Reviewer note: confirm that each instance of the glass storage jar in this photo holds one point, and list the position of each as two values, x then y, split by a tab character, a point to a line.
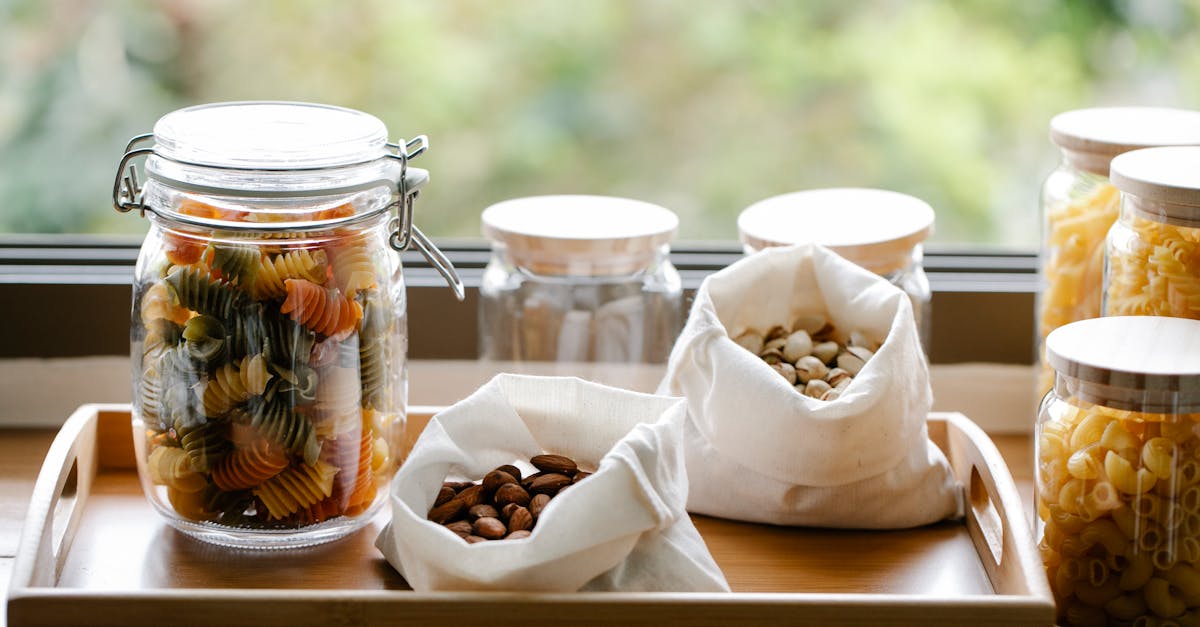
1079	204
1118	471
579	279
268	327
877	229
1153	259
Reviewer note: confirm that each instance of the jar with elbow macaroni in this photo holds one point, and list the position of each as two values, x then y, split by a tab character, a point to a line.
1118	471
879	230
268	327
1154	248
1080	204
577	278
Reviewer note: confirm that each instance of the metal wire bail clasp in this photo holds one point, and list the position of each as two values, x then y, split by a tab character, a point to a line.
405	232
127	189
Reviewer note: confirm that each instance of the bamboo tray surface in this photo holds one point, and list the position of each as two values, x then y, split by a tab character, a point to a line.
93	551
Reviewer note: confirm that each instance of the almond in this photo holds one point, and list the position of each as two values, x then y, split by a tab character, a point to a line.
538	503
520	520
444	494
461	527
549	483
554	463
507	510
471	496
511	493
490	528
580	476
483	510
517	535
495	479
473	539
449	511
511	470
457	486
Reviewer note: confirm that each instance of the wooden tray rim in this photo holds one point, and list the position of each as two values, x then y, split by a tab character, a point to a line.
1033	606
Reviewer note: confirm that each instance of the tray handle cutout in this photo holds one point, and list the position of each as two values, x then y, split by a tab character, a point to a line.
991	523
63	515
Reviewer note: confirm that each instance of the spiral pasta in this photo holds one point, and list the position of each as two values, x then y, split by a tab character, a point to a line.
249	465
1155	272
325	311
257	384
296	488
300	263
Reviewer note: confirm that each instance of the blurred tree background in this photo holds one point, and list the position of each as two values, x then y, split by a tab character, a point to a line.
701	107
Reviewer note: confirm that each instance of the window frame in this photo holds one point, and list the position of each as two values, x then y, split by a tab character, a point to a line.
69	295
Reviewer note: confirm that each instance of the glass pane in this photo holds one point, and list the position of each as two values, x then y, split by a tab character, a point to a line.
700	107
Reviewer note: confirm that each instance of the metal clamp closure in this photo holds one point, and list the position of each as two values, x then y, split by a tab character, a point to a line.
127	189
404	232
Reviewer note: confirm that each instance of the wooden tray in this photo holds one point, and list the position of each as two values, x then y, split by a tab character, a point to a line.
94	552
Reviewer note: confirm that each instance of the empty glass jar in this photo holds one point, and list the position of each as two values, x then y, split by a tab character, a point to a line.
1154	248
1080	205
268	329
1118	471
579	279
879	230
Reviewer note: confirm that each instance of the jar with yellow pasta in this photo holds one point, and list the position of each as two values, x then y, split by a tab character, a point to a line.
268	326
1154	248
1080	204
1118	471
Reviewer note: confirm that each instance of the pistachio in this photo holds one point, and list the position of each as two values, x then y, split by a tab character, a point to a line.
773	356
776	344
816	388
825	351
751	341
787	370
831	395
843	384
798	345
809	324
836	376
853	359
809	368
775	332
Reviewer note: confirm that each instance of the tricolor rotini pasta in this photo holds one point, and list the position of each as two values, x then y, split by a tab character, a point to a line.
261	406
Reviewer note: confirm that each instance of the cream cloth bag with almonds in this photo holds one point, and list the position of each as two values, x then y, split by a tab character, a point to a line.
758	450
622	528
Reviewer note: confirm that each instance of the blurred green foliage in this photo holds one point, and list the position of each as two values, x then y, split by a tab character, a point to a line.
703	107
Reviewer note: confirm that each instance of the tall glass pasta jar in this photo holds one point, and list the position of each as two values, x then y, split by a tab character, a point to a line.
1154	248
880	230
268	329
1118	471
579	279
1080	204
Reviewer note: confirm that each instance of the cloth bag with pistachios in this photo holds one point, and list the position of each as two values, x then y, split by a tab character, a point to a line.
624	527
758	447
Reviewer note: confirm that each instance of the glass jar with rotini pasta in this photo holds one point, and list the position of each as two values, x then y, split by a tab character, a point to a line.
880	230
1153	258
1118	471
1079	205
268	327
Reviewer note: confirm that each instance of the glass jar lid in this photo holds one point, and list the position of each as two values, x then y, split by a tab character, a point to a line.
876	229
1165	182
580	235
1137	363
1091	138
270	149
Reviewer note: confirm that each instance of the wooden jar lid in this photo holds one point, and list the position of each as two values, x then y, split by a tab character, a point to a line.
1138	363
1165	180
876	229
1091	138
580	235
